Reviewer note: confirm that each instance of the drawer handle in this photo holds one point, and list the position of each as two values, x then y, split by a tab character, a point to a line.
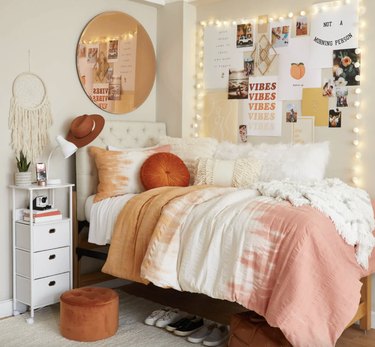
52	256
52	283
52	231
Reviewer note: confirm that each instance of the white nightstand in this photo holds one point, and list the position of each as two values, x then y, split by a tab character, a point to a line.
42	252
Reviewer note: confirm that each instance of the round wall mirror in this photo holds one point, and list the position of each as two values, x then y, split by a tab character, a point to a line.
116	62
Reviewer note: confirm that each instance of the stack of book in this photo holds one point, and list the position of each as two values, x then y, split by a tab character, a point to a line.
42	216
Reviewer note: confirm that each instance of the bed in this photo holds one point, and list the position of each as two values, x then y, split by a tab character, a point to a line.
289	316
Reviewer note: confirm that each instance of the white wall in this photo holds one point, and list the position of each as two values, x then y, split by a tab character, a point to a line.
50	29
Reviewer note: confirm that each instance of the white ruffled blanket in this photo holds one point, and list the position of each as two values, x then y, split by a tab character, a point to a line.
349	208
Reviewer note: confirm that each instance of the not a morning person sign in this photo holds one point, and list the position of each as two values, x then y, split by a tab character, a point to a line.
332	27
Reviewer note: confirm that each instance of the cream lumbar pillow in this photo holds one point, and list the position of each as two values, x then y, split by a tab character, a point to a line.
227	173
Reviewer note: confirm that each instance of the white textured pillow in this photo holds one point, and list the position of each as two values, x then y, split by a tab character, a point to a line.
227	173
297	162
190	149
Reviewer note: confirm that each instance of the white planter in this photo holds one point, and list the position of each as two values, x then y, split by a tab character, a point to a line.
23	178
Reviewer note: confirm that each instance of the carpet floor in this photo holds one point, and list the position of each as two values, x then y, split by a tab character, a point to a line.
132	332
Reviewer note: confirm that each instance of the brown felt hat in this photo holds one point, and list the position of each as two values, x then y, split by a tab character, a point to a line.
85	129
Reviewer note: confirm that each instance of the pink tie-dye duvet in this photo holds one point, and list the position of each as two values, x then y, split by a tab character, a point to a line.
286	263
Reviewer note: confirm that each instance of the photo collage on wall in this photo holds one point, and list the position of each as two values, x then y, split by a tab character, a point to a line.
307	66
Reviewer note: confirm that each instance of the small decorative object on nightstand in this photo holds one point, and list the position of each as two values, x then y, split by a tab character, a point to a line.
42	246
23	176
68	149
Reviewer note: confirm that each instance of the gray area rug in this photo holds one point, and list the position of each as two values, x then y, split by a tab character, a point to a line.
132	331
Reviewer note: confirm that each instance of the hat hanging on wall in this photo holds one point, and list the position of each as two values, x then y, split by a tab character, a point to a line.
84	129
29	115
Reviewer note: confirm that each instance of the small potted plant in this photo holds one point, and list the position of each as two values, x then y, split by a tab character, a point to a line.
23	176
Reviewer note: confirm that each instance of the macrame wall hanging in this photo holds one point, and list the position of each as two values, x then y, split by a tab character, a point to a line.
29	116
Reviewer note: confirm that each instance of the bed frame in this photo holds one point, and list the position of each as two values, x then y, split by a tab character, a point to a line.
125	134
116	133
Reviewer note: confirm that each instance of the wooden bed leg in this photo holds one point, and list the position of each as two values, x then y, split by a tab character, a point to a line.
76	265
365	321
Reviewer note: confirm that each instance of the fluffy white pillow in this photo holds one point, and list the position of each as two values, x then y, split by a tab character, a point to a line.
190	149
297	162
227	173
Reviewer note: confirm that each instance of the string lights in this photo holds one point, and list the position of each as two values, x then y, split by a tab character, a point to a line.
126	36
314	9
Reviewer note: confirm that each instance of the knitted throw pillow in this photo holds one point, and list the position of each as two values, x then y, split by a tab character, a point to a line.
227	173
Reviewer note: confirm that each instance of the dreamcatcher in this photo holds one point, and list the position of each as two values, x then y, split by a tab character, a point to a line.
29	115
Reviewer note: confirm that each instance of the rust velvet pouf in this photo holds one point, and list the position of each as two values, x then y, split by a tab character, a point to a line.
89	314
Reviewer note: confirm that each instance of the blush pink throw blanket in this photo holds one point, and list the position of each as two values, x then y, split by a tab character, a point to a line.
287	263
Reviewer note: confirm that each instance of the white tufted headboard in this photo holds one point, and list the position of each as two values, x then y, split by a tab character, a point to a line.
115	133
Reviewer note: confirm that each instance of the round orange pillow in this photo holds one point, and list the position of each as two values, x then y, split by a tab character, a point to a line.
164	169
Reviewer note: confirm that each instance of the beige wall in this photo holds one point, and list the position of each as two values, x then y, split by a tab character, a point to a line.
176	69
50	29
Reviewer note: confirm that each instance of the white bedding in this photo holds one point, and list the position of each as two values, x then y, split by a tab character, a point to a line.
102	217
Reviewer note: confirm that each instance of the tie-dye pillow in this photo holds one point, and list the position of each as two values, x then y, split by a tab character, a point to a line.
118	171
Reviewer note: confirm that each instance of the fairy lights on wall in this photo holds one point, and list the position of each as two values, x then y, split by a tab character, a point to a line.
105	39
197	128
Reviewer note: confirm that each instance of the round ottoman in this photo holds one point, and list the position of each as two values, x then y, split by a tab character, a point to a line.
89	314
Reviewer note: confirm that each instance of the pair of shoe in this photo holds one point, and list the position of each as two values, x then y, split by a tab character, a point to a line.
211	335
185	326
162	317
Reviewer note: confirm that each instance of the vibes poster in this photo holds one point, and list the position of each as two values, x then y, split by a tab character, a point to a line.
262	114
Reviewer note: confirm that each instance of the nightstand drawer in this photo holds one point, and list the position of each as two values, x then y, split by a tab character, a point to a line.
46	263
45	291
46	236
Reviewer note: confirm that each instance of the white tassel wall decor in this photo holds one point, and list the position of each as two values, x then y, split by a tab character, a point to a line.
29	116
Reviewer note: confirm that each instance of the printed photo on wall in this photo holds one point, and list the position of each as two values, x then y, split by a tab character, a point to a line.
238	84
243	132
291	114
346	67
280	36
248	63
245	37
82	51
342	95
329	87
102	68
92	55
113	50
301	25
334	119
303	131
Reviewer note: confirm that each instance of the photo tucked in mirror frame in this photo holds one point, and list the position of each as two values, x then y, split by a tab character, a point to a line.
116	62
